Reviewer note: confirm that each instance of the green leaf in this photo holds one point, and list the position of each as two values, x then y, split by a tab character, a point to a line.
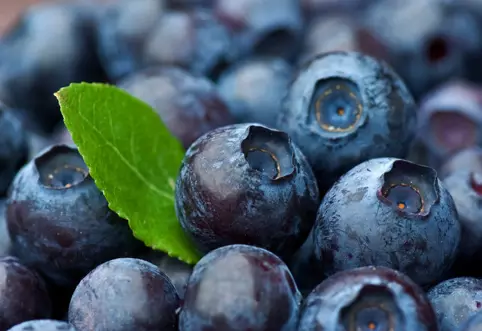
133	159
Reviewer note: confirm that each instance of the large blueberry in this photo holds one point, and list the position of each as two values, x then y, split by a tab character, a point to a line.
344	108
60	222
246	184
388	212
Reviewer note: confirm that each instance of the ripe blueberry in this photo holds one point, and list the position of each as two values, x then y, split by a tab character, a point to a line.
388	212
238	288
246	184
368	298
345	108
59	222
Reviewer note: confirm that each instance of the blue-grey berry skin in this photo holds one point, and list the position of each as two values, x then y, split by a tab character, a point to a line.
189	105
367	298
469	159
388	212
246	184
267	27
125	294
456	300
23	294
50	46
427	42
474	323
13	147
177	271
59	221
134	35
465	187
255	88
449	120
239	288
344	108
43	325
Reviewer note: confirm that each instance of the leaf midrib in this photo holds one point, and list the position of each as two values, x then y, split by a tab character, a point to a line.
127	163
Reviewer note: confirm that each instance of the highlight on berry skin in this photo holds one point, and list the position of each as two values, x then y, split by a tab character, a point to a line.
61	167
410	188
336	105
269	152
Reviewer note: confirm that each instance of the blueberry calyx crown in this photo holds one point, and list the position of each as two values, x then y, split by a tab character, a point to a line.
373	309
336	105
268	152
409	188
61	167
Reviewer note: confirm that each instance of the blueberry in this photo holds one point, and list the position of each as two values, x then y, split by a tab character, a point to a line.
455	300
388	212
5	244
189	105
238	288
425	41
344	108
465	187
255	88
263	27
246	184
327	33
469	159
190	4
13	147
177	271
368	298
449	119
62	136
23	294
51	46
474	323
58	220
317	7
125	294
194	40
43	325
122	30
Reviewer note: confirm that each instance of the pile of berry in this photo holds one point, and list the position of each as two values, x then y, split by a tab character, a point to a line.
332	179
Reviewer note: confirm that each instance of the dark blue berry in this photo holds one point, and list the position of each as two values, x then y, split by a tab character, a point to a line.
263	27
345	108
367	299
254	89
427	42
23	294
177	271
13	147
189	105
239	288
388	212
59	221
134	35
246	184
51	46
124	295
